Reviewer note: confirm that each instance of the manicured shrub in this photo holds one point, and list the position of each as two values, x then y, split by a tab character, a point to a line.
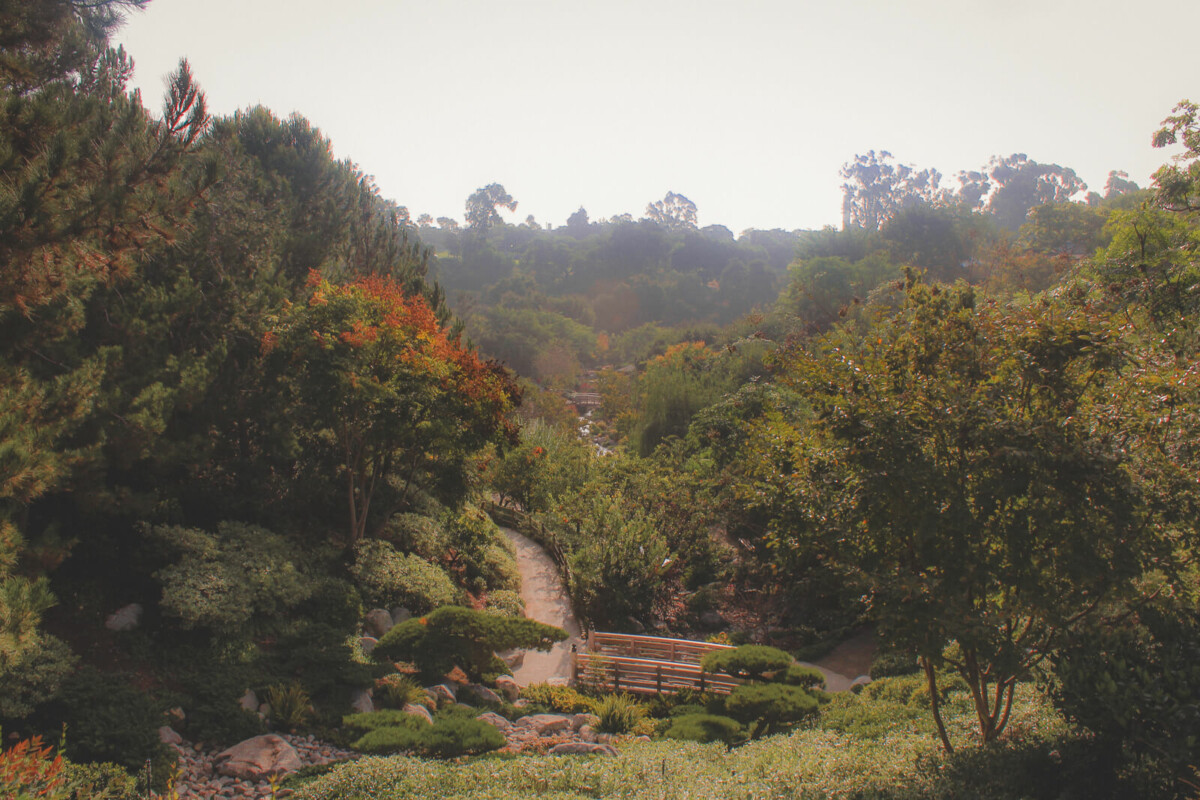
506	603
388	578
700	727
416	533
392	738
563	699
618	713
460	637
449	736
804	677
454	736
498	569
750	661
771	707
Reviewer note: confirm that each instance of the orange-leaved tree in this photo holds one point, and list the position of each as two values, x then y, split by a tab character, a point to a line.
378	378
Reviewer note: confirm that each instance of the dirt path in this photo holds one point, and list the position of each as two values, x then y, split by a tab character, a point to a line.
847	661
546	601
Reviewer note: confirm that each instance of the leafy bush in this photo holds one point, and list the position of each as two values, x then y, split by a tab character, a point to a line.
460	637
770	708
498	569
290	705
454	736
30	769
227	580
388	578
108	720
700	727
416	533
890	663
750	661
403	735
33	675
563	699
506	603
104	781
618	713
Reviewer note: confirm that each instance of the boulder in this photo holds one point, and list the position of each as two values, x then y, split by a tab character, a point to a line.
545	723
514	658
444	693
582	748
362	702
378	622
495	720
578	721
508	687
586	733
124	619
520	702
258	759
167	735
249	701
400	614
485	694
418	711
367	643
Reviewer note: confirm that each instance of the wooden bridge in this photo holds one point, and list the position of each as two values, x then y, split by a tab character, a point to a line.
618	662
584	400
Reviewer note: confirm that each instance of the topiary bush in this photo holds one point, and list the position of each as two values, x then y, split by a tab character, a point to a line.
452	636
749	662
804	677
699	727
388	578
770	707
455	736
449	736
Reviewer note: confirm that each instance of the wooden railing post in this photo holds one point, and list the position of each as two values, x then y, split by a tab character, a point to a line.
616	677
658	681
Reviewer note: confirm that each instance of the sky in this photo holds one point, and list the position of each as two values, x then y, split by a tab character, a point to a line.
747	107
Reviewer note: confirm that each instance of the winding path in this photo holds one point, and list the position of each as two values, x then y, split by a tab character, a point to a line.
546	600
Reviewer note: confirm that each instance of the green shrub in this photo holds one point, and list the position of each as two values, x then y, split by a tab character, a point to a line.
108	719
506	603
460	637
454	736
103	781
393	738
563	699
397	691
291	707
750	661
618	713
34	675
388	578
221	721
701	727
804	677
225	581
770	708
388	717
416	533
889	663
499	571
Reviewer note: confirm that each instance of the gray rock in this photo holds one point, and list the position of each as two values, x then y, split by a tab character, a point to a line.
578	721
249	701
508	687
400	614
418	711
362	702
378	622
167	735
485	694
258	758
545	723
583	749
514	658
495	720
124	619
712	619
520	702
367	643
586	733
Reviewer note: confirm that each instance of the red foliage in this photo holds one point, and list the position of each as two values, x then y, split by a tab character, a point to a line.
28	768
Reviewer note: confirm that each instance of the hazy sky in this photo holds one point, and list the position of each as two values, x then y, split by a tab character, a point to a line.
748	107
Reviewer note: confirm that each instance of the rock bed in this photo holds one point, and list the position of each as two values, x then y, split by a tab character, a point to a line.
199	779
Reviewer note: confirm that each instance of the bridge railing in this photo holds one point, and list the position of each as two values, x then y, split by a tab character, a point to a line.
617	662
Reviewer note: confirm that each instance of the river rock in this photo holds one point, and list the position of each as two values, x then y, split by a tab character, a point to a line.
418	711
258	758
443	693
378	622
484	694
167	735
125	619
495	720
545	723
